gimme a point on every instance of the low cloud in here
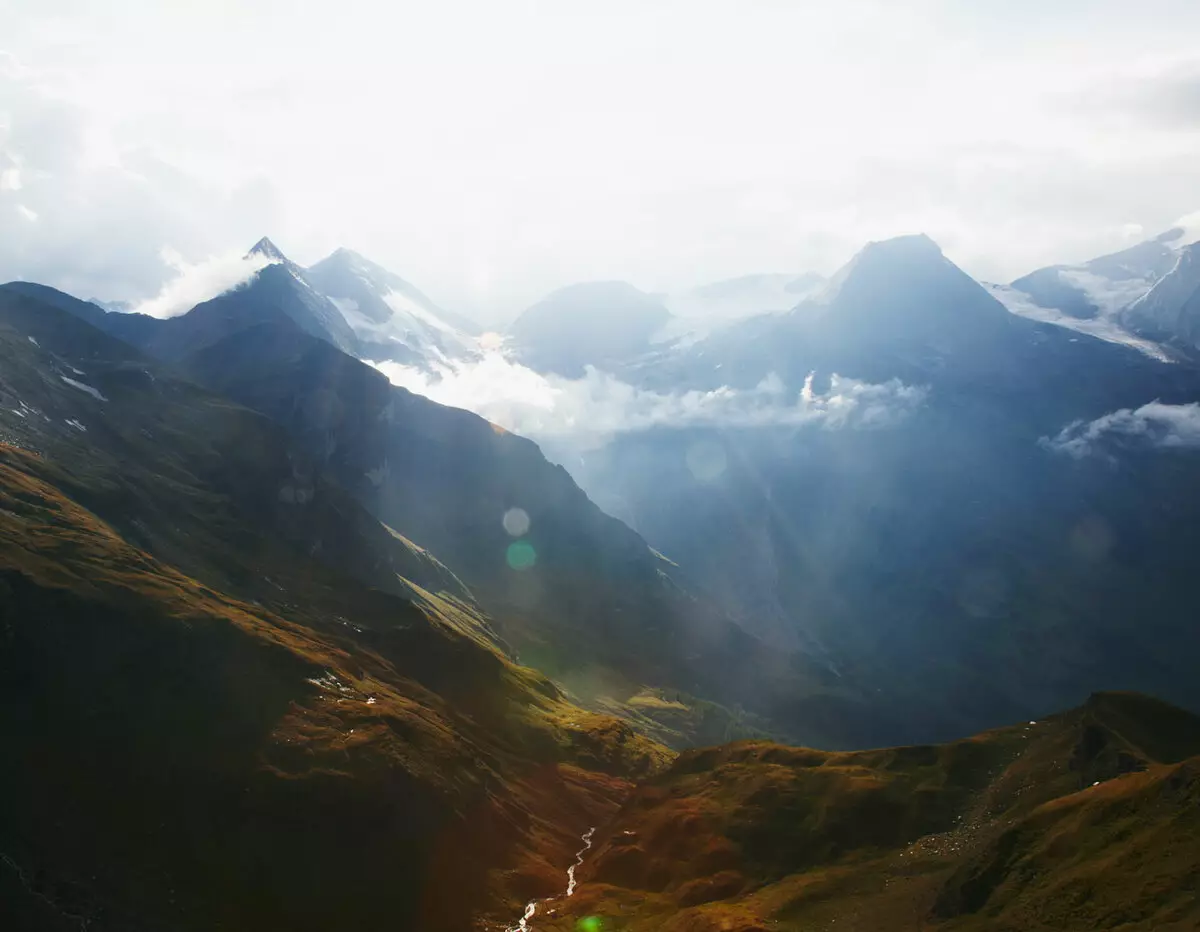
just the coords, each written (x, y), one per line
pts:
(1152, 425)
(589, 411)
(199, 282)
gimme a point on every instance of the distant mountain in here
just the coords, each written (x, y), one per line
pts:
(391, 319)
(1064, 819)
(1103, 286)
(1170, 311)
(745, 296)
(912, 548)
(1092, 295)
(598, 324)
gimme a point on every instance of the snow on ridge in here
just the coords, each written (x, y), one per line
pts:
(402, 304)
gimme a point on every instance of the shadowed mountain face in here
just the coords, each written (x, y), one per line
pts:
(211, 720)
(950, 556)
(1081, 821)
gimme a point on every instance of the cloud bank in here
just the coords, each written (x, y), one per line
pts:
(1154, 425)
(587, 412)
(199, 282)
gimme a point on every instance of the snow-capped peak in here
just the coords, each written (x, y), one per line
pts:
(268, 250)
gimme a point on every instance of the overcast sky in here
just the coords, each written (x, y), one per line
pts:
(490, 151)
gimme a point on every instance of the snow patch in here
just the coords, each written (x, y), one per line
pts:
(1107, 295)
(74, 423)
(1107, 329)
(82, 387)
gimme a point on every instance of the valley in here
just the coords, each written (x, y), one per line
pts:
(286, 645)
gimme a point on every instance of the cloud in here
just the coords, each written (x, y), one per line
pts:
(589, 411)
(1165, 97)
(200, 282)
(1152, 425)
(105, 204)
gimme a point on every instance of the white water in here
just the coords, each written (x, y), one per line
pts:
(531, 907)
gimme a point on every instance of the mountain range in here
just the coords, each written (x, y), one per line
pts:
(286, 645)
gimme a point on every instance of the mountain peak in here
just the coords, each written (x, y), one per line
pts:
(883, 263)
(909, 245)
(264, 247)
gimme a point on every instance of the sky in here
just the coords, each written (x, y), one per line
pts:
(491, 151)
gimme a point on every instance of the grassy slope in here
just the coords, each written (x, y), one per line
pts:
(213, 760)
(209, 719)
(1005, 831)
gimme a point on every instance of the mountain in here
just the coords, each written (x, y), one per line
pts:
(1078, 822)
(278, 291)
(598, 610)
(1170, 311)
(580, 596)
(599, 324)
(880, 494)
(1103, 286)
(745, 296)
(223, 704)
(391, 319)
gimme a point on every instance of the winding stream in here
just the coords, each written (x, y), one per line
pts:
(532, 906)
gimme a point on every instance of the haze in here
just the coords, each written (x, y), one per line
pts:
(492, 152)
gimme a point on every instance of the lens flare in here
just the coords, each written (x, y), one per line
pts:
(521, 555)
(516, 522)
(589, 924)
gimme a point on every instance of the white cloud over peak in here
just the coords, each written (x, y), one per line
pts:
(587, 412)
(197, 282)
(1152, 425)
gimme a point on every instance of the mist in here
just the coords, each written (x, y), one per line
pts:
(586, 413)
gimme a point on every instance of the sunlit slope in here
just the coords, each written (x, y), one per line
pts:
(231, 696)
(1082, 821)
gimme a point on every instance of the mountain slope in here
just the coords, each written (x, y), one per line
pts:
(278, 291)
(1082, 821)
(581, 596)
(210, 719)
(390, 317)
(1102, 286)
(933, 550)
(1170, 311)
